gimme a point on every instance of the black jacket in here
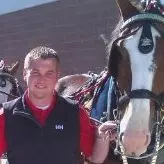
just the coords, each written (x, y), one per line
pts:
(55, 143)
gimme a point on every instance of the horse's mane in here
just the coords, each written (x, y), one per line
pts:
(113, 54)
(116, 31)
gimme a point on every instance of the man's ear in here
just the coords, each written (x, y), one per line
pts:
(24, 74)
(58, 71)
(58, 76)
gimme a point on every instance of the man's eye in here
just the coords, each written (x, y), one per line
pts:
(50, 74)
(35, 73)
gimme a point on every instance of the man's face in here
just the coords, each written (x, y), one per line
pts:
(41, 78)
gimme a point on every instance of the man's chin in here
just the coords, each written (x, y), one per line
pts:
(40, 94)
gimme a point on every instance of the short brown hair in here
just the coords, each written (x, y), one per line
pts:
(40, 52)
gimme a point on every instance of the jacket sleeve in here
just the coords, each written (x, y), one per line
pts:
(87, 133)
(2, 133)
(93, 143)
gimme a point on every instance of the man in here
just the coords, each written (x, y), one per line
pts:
(43, 128)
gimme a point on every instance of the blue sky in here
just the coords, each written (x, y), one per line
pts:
(7, 6)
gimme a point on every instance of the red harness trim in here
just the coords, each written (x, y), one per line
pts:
(87, 90)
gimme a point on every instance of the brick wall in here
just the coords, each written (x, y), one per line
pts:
(72, 27)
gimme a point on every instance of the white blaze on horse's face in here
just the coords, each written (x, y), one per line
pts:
(6, 89)
(135, 123)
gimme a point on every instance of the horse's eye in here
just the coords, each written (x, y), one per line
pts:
(2, 82)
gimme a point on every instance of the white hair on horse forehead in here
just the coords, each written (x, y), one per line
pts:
(142, 65)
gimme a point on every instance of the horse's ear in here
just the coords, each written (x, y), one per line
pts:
(126, 8)
(14, 68)
(2, 64)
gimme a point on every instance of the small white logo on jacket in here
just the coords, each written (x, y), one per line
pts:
(59, 127)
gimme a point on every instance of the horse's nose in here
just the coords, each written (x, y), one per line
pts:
(135, 143)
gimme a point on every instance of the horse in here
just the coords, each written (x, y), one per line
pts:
(9, 86)
(135, 61)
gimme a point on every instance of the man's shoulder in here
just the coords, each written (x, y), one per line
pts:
(71, 101)
(68, 100)
(68, 103)
(10, 104)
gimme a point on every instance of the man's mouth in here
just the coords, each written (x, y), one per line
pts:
(40, 87)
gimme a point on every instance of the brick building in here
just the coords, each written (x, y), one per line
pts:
(72, 27)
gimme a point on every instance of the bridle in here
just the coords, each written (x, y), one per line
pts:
(158, 100)
(159, 124)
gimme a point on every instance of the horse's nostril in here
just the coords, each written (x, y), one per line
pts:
(148, 138)
(121, 136)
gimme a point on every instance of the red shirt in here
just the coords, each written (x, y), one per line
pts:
(87, 131)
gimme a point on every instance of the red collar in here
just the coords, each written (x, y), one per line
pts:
(33, 107)
(39, 114)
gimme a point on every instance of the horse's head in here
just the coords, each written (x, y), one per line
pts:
(9, 88)
(137, 62)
